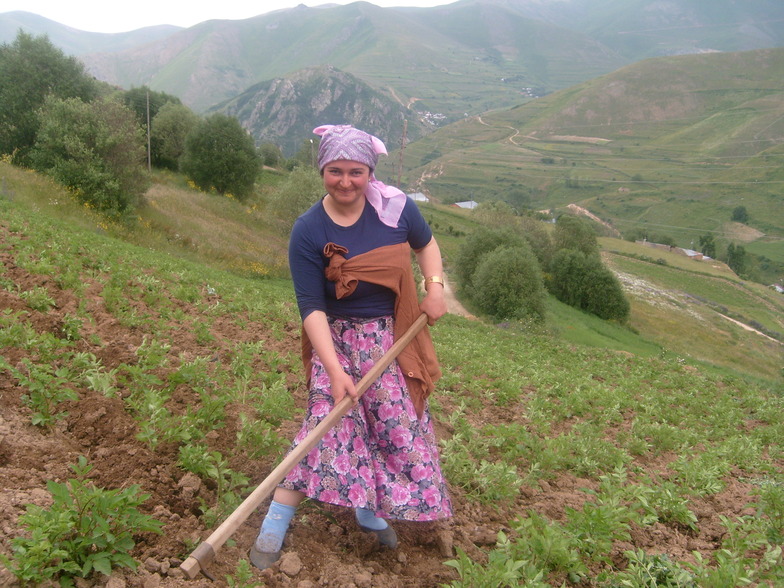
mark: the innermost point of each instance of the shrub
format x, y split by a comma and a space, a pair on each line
221, 155
299, 192
170, 127
86, 529
508, 284
32, 68
575, 233
96, 150
475, 247
583, 282
604, 295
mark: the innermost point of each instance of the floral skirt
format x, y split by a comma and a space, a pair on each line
381, 455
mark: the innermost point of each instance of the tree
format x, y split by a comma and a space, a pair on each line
740, 215
512, 285
220, 155
495, 213
583, 282
538, 238
575, 233
170, 128
270, 154
708, 245
604, 295
299, 192
307, 155
139, 100
568, 271
31, 68
736, 258
96, 150
475, 247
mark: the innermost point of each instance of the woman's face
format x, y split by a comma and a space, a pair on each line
346, 181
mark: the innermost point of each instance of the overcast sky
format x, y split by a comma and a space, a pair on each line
127, 15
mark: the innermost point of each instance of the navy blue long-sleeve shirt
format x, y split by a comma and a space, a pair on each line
307, 262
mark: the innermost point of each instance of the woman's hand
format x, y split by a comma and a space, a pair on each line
434, 303
342, 385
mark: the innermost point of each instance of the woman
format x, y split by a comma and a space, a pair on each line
351, 264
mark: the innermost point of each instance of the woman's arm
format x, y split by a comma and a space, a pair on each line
429, 260
317, 328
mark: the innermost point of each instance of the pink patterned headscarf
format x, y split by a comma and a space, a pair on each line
344, 142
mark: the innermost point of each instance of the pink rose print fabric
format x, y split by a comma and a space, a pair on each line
380, 456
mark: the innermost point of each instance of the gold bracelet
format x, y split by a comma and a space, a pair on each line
434, 279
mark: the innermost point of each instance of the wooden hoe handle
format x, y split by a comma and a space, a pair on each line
204, 554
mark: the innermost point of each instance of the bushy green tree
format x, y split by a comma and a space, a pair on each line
143, 100
740, 214
604, 295
96, 150
31, 68
475, 247
221, 155
271, 155
300, 191
538, 238
736, 258
575, 233
307, 155
582, 281
508, 284
170, 127
708, 245
495, 213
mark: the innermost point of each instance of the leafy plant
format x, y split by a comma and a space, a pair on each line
671, 507
212, 466
651, 570
549, 545
38, 299
243, 576
47, 387
500, 571
598, 525
259, 437
87, 529
771, 505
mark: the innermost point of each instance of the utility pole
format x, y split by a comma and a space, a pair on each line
149, 157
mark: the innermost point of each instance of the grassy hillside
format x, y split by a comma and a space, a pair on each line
669, 145
701, 297
568, 462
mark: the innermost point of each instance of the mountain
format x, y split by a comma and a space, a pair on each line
284, 111
670, 145
442, 63
449, 60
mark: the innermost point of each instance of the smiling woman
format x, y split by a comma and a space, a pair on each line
350, 259
91, 15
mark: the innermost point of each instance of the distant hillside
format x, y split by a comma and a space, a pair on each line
638, 29
73, 41
668, 144
451, 60
284, 111
441, 63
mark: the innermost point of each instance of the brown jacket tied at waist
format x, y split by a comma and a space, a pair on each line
388, 266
